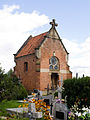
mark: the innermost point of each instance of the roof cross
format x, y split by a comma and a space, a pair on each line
53, 23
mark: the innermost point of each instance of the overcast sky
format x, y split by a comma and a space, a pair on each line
21, 18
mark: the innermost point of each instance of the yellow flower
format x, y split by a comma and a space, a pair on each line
23, 105
33, 100
36, 102
26, 104
48, 107
33, 94
24, 100
45, 117
19, 106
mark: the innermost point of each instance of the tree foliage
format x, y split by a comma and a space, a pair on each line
77, 92
10, 87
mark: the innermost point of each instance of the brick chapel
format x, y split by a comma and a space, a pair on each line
42, 60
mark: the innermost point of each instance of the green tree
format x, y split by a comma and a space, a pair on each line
77, 92
10, 87
1, 83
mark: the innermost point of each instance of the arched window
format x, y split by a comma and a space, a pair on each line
54, 63
26, 66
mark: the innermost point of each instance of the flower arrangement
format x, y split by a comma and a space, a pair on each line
42, 107
76, 112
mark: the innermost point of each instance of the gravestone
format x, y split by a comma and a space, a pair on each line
60, 110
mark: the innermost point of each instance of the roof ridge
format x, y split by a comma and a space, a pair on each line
40, 34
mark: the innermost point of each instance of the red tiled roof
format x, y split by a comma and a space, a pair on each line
29, 47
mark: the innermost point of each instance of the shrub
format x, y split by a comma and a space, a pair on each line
10, 87
21, 92
77, 92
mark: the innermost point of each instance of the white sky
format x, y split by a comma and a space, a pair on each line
16, 27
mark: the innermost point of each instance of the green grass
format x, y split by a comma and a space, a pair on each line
7, 104
19, 119
16, 119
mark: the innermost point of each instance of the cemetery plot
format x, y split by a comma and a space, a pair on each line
34, 110
39, 107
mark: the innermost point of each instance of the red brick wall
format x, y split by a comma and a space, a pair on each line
30, 79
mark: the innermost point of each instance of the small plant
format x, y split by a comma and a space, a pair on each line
84, 117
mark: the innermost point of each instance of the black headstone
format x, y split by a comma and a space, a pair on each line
60, 115
47, 101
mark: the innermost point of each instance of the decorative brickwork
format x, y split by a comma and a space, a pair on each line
35, 57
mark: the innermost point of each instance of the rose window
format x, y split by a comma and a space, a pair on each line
54, 63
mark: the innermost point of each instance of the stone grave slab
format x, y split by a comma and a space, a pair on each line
24, 112
37, 115
18, 111
60, 111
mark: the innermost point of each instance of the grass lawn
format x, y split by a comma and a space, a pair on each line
7, 104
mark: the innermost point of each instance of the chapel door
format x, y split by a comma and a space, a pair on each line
54, 80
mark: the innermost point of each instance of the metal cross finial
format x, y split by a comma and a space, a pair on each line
61, 81
53, 23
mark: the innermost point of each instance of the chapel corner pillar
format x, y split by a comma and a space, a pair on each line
50, 83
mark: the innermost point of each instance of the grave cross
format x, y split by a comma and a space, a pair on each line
61, 81
32, 114
53, 23
47, 88
60, 89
